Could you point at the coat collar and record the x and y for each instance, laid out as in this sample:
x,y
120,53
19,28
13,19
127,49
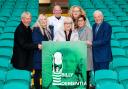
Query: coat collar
x,y
100,28
24,27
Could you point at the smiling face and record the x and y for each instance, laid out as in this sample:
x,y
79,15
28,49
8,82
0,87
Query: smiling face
x,y
81,22
98,17
26,20
57,11
76,12
68,24
43,20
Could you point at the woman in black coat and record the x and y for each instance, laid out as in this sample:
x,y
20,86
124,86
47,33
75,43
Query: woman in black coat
x,y
40,33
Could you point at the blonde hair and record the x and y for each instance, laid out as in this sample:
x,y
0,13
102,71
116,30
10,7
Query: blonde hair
x,y
69,20
37,24
81,10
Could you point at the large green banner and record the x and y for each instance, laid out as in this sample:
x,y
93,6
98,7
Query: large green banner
x,y
64,65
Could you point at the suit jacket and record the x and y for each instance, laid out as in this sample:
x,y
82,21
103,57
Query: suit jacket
x,y
102,43
23,48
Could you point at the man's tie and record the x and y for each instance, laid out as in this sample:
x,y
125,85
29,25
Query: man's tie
x,y
97,28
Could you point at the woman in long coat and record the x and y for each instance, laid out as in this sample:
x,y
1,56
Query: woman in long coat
x,y
40,33
85,34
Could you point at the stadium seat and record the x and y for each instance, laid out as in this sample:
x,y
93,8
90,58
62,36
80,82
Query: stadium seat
x,y
124,6
124,44
8,6
15,18
2,24
122,36
17,79
121,14
126,86
17,12
109,2
6,43
110,86
1,30
20,5
115,43
110,18
124,18
4,19
87,5
114,23
7,36
6,52
4,63
75,2
2,78
23,75
118,52
16,85
118,29
121,2
6,12
9,29
123,77
119,64
12,23
34,12
113,37
125,23
105,76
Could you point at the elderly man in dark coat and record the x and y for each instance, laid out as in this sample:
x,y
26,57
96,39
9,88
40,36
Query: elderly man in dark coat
x,y
102,54
23,46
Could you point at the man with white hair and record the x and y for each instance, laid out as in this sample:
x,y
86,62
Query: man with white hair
x,y
23,46
101,44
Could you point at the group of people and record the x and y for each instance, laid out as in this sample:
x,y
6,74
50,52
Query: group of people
x,y
76,26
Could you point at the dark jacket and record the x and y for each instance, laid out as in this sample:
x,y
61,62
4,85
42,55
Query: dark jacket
x,y
23,48
102,43
37,38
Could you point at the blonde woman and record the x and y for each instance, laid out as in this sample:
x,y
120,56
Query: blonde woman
x,y
75,12
68,33
40,33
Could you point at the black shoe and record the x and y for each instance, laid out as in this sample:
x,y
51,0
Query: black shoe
x,y
91,87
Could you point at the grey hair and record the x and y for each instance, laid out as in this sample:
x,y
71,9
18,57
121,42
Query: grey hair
x,y
98,11
23,15
69,19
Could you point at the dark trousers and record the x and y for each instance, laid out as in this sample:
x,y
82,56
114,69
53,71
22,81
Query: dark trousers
x,y
88,79
100,65
37,77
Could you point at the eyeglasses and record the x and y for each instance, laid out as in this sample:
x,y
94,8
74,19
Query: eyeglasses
x,y
80,20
